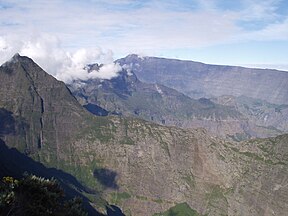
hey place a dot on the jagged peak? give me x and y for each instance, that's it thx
(14, 59)
(136, 56)
(18, 58)
(16, 55)
(22, 64)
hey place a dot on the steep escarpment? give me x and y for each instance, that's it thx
(202, 80)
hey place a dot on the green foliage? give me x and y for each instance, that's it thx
(35, 196)
(117, 197)
(217, 203)
(216, 193)
(142, 198)
(181, 209)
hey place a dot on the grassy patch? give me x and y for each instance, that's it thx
(216, 193)
(100, 128)
(142, 198)
(118, 198)
(181, 209)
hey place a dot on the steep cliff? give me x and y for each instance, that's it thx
(46, 115)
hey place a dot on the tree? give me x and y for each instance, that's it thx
(35, 196)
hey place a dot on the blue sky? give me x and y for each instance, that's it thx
(233, 32)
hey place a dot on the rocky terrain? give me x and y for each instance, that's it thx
(142, 167)
(198, 80)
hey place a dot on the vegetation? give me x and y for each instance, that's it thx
(179, 210)
(36, 196)
(117, 197)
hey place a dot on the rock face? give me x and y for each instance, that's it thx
(198, 80)
(43, 113)
(144, 168)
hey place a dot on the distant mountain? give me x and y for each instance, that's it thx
(261, 113)
(126, 95)
(198, 80)
(142, 167)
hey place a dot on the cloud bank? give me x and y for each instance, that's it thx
(159, 28)
(46, 51)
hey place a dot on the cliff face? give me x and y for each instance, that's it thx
(45, 114)
(142, 167)
(202, 80)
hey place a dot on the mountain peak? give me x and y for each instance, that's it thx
(135, 56)
(16, 56)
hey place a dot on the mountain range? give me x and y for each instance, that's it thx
(143, 167)
(128, 96)
(197, 79)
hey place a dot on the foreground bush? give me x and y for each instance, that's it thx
(36, 196)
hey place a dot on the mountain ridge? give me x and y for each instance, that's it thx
(128, 96)
(203, 80)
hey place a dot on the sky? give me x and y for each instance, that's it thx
(68, 33)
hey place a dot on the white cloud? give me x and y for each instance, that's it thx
(259, 10)
(107, 71)
(151, 27)
(46, 51)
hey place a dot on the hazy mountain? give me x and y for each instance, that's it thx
(142, 167)
(128, 96)
(262, 113)
(198, 80)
